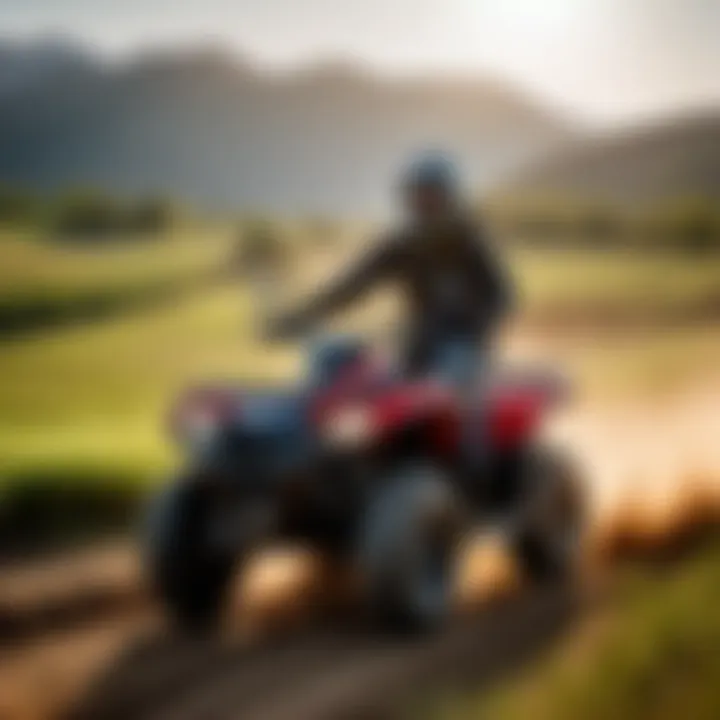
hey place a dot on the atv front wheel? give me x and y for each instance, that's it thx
(407, 549)
(189, 576)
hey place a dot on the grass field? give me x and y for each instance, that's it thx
(34, 270)
(653, 656)
(32, 265)
(619, 283)
(44, 282)
(84, 404)
(96, 395)
(622, 281)
(83, 410)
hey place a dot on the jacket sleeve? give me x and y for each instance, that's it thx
(376, 265)
(492, 276)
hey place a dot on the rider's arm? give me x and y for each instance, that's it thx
(375, 265)
(492, 276)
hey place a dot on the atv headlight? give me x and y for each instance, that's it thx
(349, 427)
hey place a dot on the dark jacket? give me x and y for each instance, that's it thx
(453, 284)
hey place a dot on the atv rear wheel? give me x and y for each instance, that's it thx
(407, 549)
(548, 545)
(188, 574)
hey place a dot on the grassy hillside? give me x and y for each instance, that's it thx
(43, 282)
(82, 407)
(609, 282)
(32, 265)
(97, 394)
(653, 656)
(83, 411)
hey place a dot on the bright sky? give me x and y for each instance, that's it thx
(609, 60)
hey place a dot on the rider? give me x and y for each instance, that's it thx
(456, 289)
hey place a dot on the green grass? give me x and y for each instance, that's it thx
(615, 280)
(44, 282)
(99, 394)
(654, 657)
(32, 266)
(83, 411)
(43, 274)
(95, 396)
(84, 406)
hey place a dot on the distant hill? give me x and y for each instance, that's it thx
(206, 127)
(678, 157)
(24, 64)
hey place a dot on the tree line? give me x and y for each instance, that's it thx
(87, 213)
(688, 225)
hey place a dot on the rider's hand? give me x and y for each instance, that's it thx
(284, 327)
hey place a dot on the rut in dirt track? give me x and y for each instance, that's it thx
(324, 673)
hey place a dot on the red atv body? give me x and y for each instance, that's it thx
(366, 465)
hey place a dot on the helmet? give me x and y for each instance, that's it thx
(432, 171)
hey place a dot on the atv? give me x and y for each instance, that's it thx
(365, 465)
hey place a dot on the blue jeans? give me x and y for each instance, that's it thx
(457, 360)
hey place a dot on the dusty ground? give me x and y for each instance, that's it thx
(646, 464)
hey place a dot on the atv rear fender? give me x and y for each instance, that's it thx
(516, 408)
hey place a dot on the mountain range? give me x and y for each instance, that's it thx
(203, 125)
(668, 159)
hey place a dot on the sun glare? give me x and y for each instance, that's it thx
(541, 15)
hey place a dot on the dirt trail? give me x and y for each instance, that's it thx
(329, 673)
(39, 596)
(647, 464)
(127, 667)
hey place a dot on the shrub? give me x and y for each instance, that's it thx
(151, 215)
(44, 509)
(88, 213)
(92, 214)
(693, 226)
(690, 225)
(600, 225)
